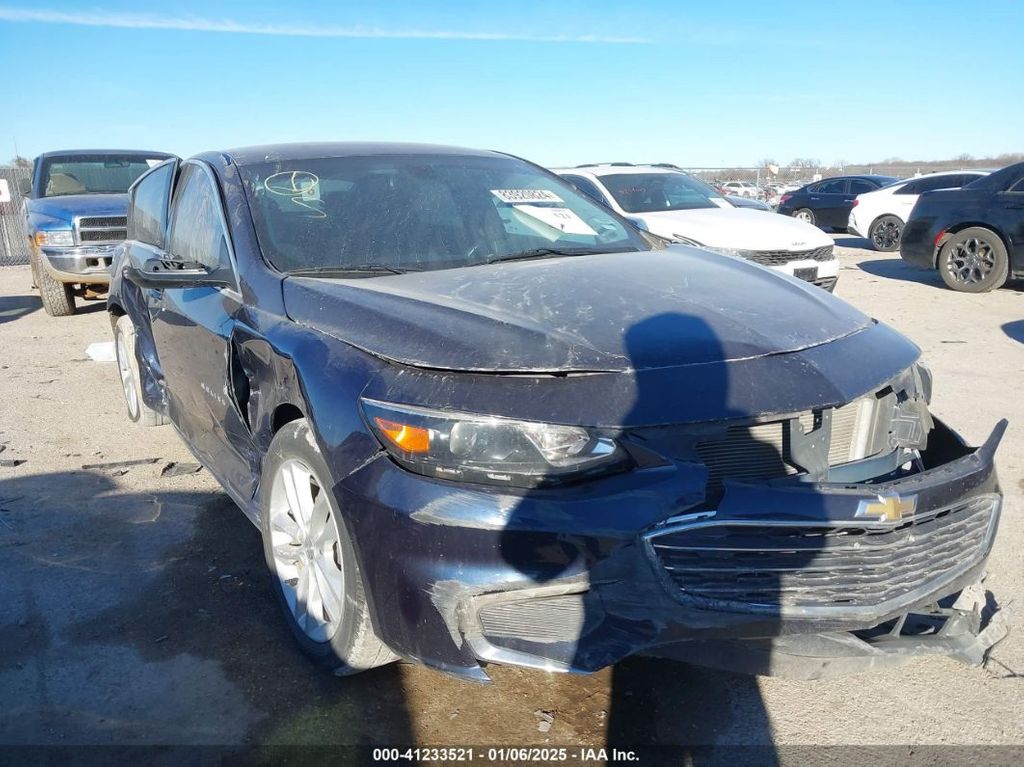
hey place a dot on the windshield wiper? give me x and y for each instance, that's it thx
(548, 252)
(334, 271)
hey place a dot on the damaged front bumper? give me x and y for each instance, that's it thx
(795, 578)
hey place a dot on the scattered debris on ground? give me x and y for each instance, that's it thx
(119, 464)
(546, 720)
(177, 469)
(101, 351)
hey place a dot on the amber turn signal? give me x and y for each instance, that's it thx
(409, 439)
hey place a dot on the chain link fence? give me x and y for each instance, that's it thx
(13, 242)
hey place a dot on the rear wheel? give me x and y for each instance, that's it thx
(131, 381)
(804, 214)
(885, 234)
(974, 261)
(317, 578)
(58, 297)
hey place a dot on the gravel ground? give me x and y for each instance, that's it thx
(136, 608)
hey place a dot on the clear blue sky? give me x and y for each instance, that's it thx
(696, 83)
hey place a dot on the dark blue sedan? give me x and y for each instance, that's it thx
(827, 203)
(480, 418)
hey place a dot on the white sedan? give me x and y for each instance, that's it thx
(879, 215)
(675, 205)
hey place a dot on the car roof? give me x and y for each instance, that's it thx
(938, 173)
(303, 151)
(608, 169)
(869, 176)
(128, 152)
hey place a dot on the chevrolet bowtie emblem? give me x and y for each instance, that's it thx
(888, 508)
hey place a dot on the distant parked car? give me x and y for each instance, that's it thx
(674, 204)
(974, 235)
(740, 189)
(74, 217)
(748, 202)
(880, 215)
(827, 203)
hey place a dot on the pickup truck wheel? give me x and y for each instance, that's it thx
(309, 552)
(974, 260)
(131, 381)
(58, 297)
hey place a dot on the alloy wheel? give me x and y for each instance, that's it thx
(124, 367)
(970, 261)
(886, 235)
(306, 550)
(802, 215)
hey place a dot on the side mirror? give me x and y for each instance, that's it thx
(159, 274)
(24, 186)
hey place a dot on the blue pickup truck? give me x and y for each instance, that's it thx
(75, 214)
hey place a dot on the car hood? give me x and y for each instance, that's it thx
(611, 312)
(66, 207)
(741, 228)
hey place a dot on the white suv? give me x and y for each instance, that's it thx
(673, 204)
(740, 189)
(879, 215)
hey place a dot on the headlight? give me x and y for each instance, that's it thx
(57, 237)
(731, 252)
(686, 241)
(481, 448)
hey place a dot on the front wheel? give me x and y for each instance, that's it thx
(974, 261)
(885, 234)
(804, 214)
(58, 297)
(131, 381)
(311, 556)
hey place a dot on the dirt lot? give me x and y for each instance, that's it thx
(135, 608)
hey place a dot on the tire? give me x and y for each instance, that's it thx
(341, 639)
(974, 260)
(131, 381)
(804, 214)
(58, 297)
(885, 233)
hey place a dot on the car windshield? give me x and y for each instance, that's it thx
(651, 192)
(380, 214)
(93, 174)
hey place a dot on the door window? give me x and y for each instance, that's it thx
(835, 186)
(859, 186)
(586, 186)
(197, 231)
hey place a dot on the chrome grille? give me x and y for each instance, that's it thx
(784, 565)
(758, 452)
(780, 257)
(102, 228)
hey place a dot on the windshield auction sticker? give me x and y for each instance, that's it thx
(559, 220)
(519, 196)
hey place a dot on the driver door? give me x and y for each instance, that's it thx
(192, 330)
